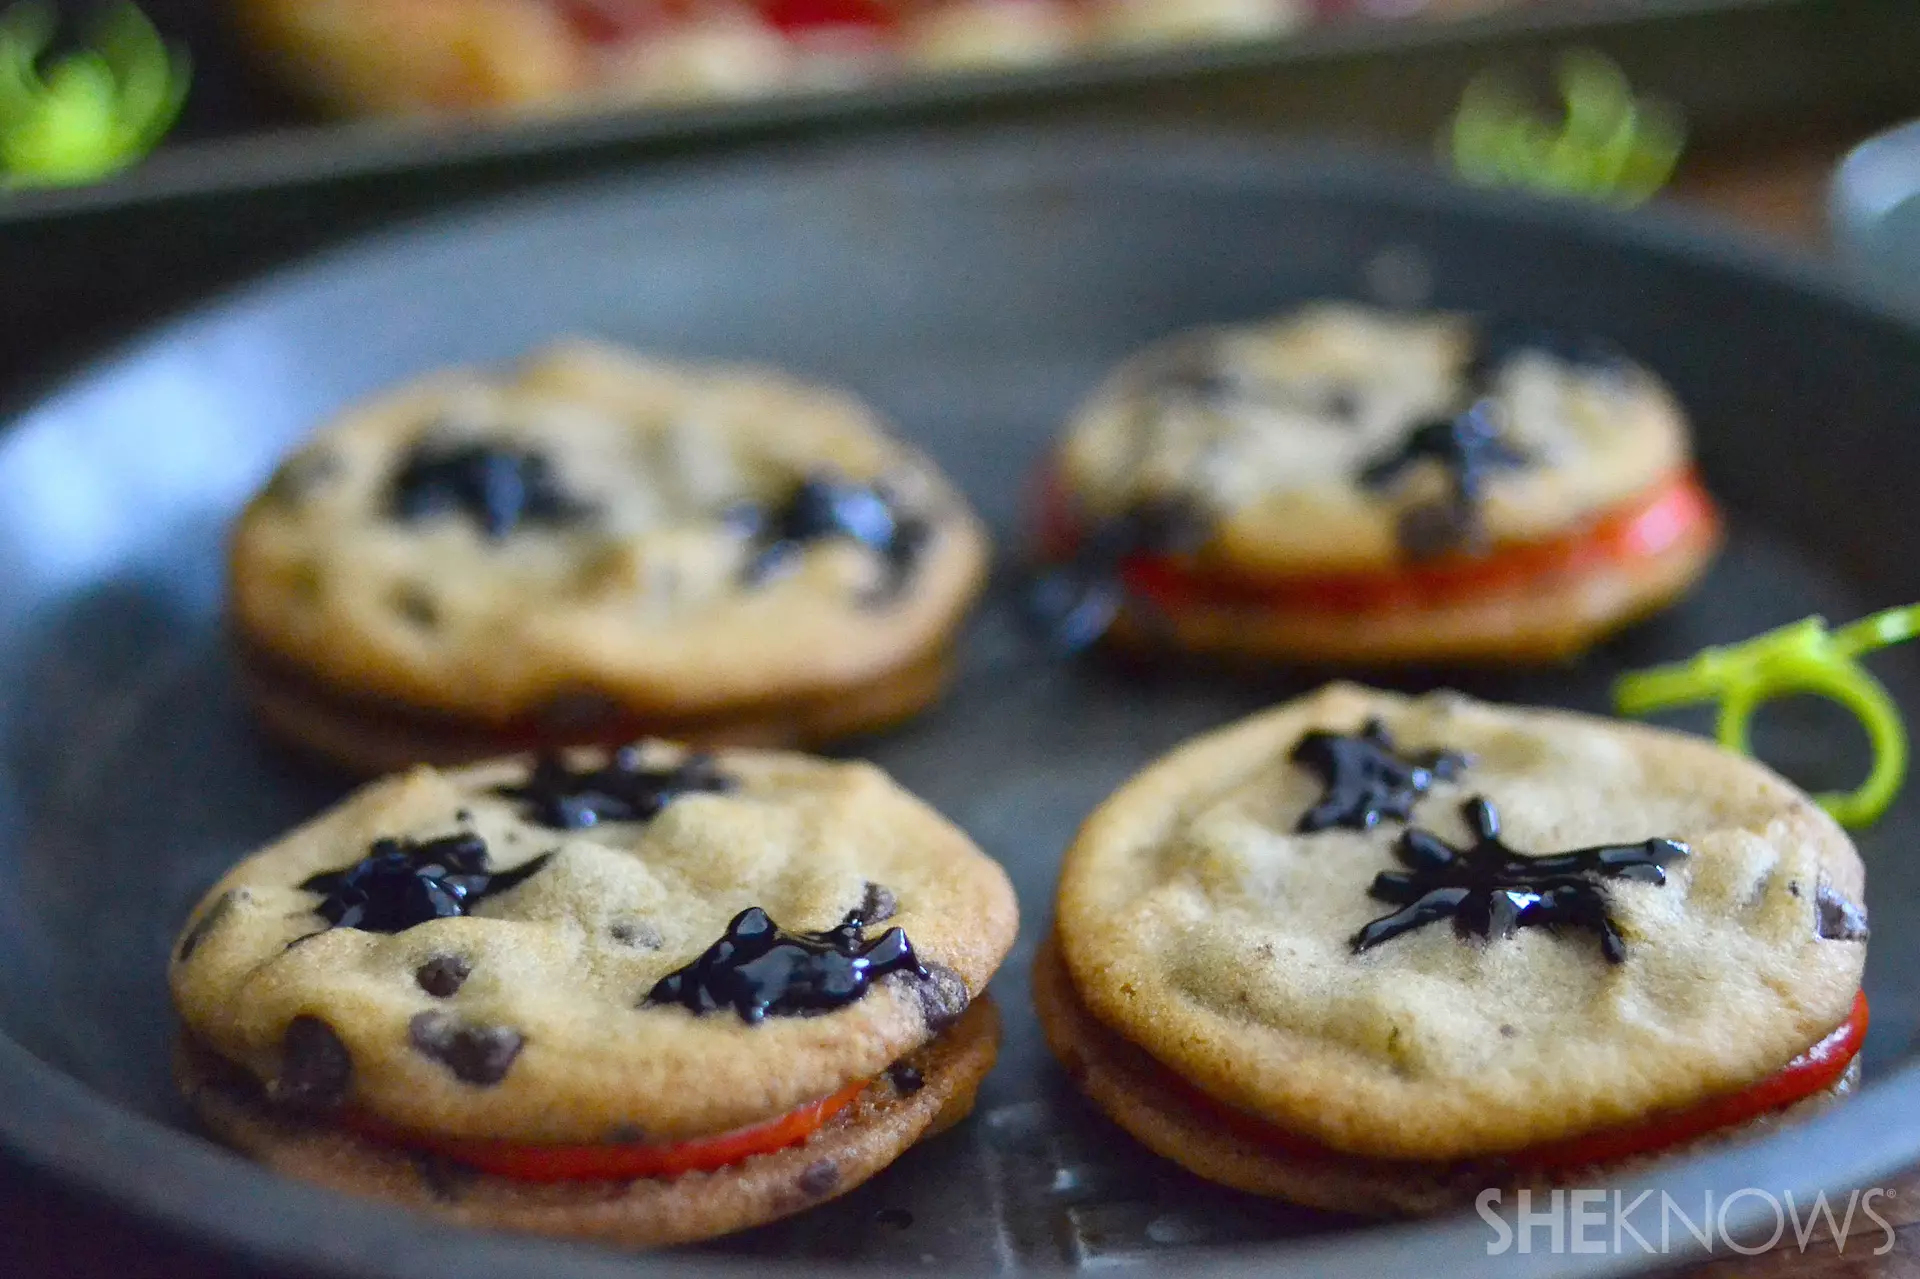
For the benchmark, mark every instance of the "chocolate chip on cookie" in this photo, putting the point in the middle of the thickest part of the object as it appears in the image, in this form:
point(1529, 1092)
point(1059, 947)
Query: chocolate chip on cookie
point(316, 1070)
point(475, 1054)
point(943, 995)
point(819, 1178)
point(1836, 918)
point(906, 1079)
point(877, 904)
point(443, 975)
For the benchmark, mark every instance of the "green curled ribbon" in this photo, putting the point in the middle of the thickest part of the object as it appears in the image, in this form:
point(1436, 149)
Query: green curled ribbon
point(1610, 145)
point(1804, 657)
point(87, 114)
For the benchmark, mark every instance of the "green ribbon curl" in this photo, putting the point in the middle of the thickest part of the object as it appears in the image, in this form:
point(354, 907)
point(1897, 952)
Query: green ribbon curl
point(1801, 658)
point(87, 114)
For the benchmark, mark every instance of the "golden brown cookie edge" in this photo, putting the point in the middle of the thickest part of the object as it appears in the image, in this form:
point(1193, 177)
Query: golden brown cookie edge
point(1137, 1093)
point(647, 1212)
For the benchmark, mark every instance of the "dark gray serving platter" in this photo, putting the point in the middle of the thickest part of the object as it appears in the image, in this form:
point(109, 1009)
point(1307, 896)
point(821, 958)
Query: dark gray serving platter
point(974, 292)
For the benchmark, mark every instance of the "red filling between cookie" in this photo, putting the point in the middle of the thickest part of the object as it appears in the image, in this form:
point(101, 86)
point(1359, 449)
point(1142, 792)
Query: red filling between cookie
point(610, 22)
point(614, 22)
point(610, 1161)
point(1676, 512)
point(1816, 1069)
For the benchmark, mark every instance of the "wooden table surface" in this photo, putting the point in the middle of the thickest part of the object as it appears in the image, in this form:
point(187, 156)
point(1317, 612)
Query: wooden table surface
point(1779, 191)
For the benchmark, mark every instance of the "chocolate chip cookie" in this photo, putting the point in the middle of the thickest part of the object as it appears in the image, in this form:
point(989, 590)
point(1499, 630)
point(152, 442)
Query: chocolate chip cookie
point(642, 996)
point(1375, 954)
point(1344, 484)
point(597, 547)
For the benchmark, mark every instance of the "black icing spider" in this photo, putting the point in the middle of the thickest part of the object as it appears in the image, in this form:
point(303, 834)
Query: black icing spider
point(496, 486)
point(1366, 779)
point(1075, 601)
point(1490, 889)
point(626, 790)
point(1469, 447)
point(823, 506)
point(401, 883)
point(760, 969)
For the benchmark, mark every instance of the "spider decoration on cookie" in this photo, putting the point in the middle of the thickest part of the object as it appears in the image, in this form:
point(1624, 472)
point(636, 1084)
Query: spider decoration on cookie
point(401, 883)
point(626, 789)
point(498, 487)
point(1076, 600)
point(1469, 447)
point(759, 969)
point(1490, 889)
point(822, 507)
point(1366, 779)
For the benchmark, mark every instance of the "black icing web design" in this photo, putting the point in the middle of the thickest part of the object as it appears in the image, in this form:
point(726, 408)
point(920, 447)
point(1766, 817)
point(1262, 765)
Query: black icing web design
point(1469, 448)
point(1366, 779)
point(625, 790)
point(499, 488)
point(759, 969)
point(1490, 889)
point(401, 883)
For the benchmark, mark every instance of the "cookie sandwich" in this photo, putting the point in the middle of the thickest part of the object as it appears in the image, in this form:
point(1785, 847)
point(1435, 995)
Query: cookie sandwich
point(592, 548)
point(643, 997)
point(1349, 485)
point(435, 56)
point(1376, 954)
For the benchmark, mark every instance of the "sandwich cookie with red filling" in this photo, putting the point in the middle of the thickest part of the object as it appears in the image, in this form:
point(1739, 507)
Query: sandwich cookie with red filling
point(1349, 485)
point(639, 996)
point(594, 548)
point(1376, 954)
point(433, 56)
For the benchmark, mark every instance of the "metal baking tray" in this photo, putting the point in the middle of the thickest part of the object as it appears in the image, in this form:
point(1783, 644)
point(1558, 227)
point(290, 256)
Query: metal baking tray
point(1728, 63)
point(973, 292)
point(248, 185)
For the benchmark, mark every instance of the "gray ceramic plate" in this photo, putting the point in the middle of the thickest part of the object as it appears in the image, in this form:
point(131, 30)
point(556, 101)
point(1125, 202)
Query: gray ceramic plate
point(974, 293)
